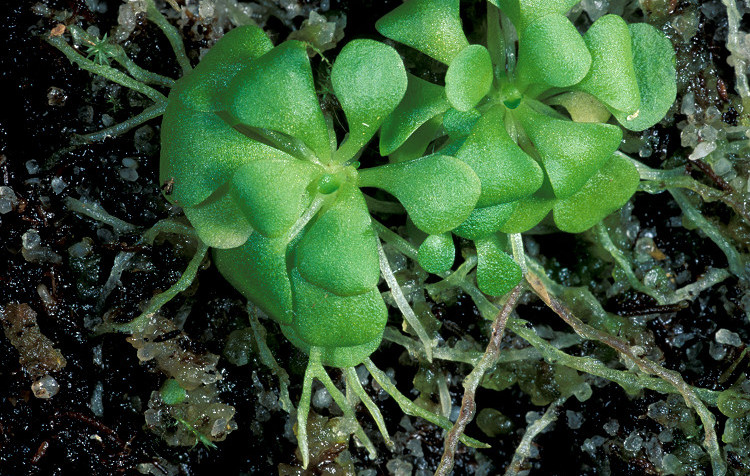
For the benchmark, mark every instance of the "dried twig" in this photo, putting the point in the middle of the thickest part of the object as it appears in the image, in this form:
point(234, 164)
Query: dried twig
point(471, 382)
point(710, 441)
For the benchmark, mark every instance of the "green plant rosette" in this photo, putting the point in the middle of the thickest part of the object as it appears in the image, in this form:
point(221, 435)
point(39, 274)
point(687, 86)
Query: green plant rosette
point(535, 130)
point(259, 172)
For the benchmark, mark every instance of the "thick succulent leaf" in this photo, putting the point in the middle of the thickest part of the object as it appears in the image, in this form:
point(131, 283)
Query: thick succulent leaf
point(437, 191)
point(571, 152)
point(497, 273)
point(437, 253)
point(612, 76)
point(507, 172)
point(458, 124)
point(369, 80)
point(338, 251)
point(277, 92)
point(417, 143)
point(258, 270)
point(527, 214)
point(485, 221)
point(523, 12)
point(653, 59)
point(219, 220)
point(430, 26)
point(422, 101)
point(552, 52)
point(200, 152)
point(469, 77)
point(324, 319)
point(605, 192)
point(273, 193)
point(200, 89)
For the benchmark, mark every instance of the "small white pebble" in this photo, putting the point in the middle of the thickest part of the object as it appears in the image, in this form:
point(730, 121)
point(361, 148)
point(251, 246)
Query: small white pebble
point(46, 387)
point(702, 150)
point(725, 336)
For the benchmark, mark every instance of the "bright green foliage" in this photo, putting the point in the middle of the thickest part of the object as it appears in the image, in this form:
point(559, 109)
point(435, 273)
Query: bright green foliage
point(469, 77)
point(437, 253)
point(431, 26)
point(531, 159)
point(257, 168)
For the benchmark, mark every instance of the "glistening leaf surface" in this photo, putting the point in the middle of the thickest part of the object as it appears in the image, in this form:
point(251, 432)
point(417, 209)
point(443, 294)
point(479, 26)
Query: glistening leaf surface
point(437, 191)
point(369, 80)
point(277, 92)
point(430, 26)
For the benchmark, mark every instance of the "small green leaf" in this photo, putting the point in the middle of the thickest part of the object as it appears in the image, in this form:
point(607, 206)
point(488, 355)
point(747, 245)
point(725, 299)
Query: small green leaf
point(552, 52)
point(523, 12)
point(430, 26)
point(258, 270)
point(219, 221)
point(458, 124)
point(172, 393)
point(437, 253)
point(497, 273)
point(608, 190)
point(527, 214)
point(369, 80)
point(485, 221)
point(654, 60)
point(422, 101)
point(237, 49)
point(324, 319)
point(200, 152)
point(507, 172)
point(338, 251)
point(272, 193)
point(611, 78)
point(469, 77)
point(415, 146)
point(437, 191)
point(571, 152)
point(277, 92)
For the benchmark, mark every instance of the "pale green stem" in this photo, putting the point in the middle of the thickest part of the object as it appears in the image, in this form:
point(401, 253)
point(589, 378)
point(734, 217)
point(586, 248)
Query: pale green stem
point(711, 277)
point(98, 213)
point(403, 304)
point(174, 36)
point(158, 301)
point(472, 357)
point(523, 450)
point(267, 359)
point(146, 115)
point(303, 220)
point(516, 246)
point(657, 181)
point(411, 408)
point(338, 397)
point(347, 152)
point(105, 71)
point(118, 54)
point(168, 226)
point(536, 280)
point(606, 242)
point(303, 408)
point(495, 41)
point(472, 381)
point(353, 382)
point(143, 75)
point(736, 262)
point(381, 206)
point(395, 240)
point(734, 35)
